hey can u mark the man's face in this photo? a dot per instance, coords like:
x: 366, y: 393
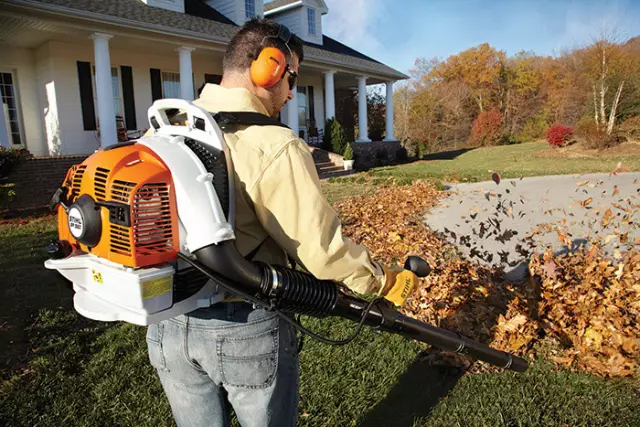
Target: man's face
x: 281, y: 93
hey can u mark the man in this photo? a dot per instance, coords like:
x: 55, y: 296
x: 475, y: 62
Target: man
x: 230, y: 353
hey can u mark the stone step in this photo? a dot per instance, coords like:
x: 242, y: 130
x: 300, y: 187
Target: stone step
x: 335, y: 174
x: 330, y: 169
x: 327, y: 165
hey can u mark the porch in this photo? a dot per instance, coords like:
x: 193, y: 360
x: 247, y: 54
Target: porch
x: 76, y: 87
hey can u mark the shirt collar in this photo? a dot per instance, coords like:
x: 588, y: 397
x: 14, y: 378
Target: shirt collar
x: 218, y: 98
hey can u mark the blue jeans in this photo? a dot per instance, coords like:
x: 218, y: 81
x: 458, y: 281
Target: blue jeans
x: 227, y: 354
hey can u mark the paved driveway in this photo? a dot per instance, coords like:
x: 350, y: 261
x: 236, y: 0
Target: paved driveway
x: 500, y: 224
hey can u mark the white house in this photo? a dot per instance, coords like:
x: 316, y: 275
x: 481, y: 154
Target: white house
x: 75, y: 73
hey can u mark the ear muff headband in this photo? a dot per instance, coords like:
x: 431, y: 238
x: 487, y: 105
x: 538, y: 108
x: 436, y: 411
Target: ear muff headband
x: 270, y: 64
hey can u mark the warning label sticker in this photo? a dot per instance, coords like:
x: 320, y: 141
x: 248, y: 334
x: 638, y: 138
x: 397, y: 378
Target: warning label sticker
x: 155, y: 288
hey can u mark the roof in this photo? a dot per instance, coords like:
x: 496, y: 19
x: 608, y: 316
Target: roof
x: 199, y: 21
x: 202, y: 10
x: 332, y: 45
x: 278, y: 3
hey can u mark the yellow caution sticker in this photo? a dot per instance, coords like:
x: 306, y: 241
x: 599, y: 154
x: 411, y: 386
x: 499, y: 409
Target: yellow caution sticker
x: 156, y: 287
x: 97, y: 276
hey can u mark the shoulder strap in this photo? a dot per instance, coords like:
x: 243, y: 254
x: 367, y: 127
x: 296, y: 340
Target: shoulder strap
x: 245, y: 118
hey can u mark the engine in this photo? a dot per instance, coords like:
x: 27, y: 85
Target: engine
x: 126, y: 212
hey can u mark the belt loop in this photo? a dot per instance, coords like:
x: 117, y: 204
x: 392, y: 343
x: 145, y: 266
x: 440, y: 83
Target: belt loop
x: 231, y: 310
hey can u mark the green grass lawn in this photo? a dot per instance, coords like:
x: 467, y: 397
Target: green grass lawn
x: 59, y: 368
x: 512, y: 161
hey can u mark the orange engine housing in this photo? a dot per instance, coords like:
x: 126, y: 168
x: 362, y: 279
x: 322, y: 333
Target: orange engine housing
x: 134, y: 176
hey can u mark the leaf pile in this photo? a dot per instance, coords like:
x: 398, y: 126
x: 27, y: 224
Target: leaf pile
x: 583, y: 303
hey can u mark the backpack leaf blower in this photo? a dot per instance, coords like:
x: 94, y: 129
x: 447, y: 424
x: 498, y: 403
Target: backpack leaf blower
x: 146, y: 233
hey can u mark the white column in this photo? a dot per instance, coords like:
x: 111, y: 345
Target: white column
x: 363, y: 125
x: 292, y: 111
x: 390, y: 136
x: 330, y: 95
x: 104, y: 90
x: 186, y: 73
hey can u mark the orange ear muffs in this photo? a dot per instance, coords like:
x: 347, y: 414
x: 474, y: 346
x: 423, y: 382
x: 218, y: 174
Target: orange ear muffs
x: 268, y: 68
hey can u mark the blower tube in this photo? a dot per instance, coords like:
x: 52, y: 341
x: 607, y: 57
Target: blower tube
x: 291, y: 291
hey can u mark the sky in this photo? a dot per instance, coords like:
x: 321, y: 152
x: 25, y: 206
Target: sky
x: 396, y: 32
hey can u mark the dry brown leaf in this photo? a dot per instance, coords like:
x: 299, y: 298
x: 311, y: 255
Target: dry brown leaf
x: 586, y: 202
x: 582, y: 183
x: 584, y: 301
x: 495, y: 177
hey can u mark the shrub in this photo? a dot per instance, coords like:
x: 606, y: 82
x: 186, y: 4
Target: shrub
x: 334, y: 139
x: 402, y: 155
x: 559, y: 135
x: 348, y: 153
x: 411, y: 146
x: 594, y: 138
x: 10, y: 157
x: 630, y: 128
x: 509, y: 140
x: 487, y: 129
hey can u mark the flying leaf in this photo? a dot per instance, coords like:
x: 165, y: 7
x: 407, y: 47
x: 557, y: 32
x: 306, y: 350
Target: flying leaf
x: 496, y: 178
x: 587, y: 202
x: 582, y: 183
x: 615, y: 190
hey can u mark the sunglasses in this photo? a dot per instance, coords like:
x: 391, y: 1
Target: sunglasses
x: 292, y: 78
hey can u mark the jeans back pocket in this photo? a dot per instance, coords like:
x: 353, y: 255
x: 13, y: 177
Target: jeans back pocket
x: 155, y: 334
x: 249, y: 362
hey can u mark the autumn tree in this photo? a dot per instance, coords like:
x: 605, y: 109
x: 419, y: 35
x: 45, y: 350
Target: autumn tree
x: 479, y: 68
x: 608, y: 66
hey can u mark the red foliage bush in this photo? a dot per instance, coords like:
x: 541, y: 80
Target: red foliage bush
x: 558, y: 135
x: 487, y: 129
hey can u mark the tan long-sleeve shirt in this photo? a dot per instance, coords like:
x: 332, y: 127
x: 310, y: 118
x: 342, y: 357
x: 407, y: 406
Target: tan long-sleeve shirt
x: 279, y: 200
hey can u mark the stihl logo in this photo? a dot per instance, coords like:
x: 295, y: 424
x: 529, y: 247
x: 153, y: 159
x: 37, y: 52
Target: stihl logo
x: 407, y: 288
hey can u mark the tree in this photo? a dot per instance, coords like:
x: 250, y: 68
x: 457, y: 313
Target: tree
x: 479, y: 68
x: 607, y: 65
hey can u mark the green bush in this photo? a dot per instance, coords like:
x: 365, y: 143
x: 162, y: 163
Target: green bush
x: 509, y: 140
x: 334, y: 139
x: 411, y: 147
x: 348, y: 153
x: 423, y: 149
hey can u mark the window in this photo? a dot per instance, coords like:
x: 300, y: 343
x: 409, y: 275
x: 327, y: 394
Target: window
x: 250, y: 9
x: 311, y: 15
x: 118, y: 107
x: 171, y: 85
x: 10, y: 108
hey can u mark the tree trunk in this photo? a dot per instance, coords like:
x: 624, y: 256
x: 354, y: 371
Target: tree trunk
x: 614, y: 107
x: 479, y: 99
x: 603, y: 87
x: 595, y: 107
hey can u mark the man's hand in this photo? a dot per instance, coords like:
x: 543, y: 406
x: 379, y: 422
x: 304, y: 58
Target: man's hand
x: 399, y: 284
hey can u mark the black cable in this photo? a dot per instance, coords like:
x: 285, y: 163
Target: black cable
x: 270, y: 306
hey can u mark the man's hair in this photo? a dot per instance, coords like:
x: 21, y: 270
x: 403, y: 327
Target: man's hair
x: 251, y: 38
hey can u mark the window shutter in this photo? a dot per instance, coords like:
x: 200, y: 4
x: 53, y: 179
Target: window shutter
x: 156, y: 84
x: 86, y: 96
x: 312, y: 109
x: 127, y: 97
